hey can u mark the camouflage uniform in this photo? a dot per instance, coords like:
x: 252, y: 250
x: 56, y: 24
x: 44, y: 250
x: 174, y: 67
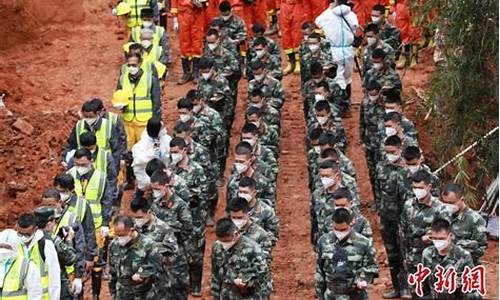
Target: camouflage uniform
x: 390, y: 35
x: 266, y: 161
x: 272, y: 64
x: 271, y: 88
x: 246, y: 261
x: 341, y: 264
x: 324, y: 57
x: 345, y: 164
x: 271, y: 116
x: 218, y: 87
x: 141, y: 257
x: 228, y: 66
x: 408, y: 128
x: 180, y: 188
x: 67, y: 255
x: 337, y: 96
x: 435, y: 181
x: 389, y: 78
x: 264, y: 216
x: 265, y: 188
x: 263, y: 238
x: 458, y: 258
x: 367, y: 52
x: 371, y: 119
x: 346, y: 181
x: 235, y: 29
x: 272, y: 46
x: 470, y: 232
x: 305, y: 51
x: 269, y: 137
x: 334, y: 128
x: 173, y: 258
x: 415, y: 222
x: 360, y: 224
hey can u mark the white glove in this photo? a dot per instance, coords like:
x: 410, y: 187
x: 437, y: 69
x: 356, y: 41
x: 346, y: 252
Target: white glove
x: 137, y: 278
x: 175, y: 25
x: 77, y: 286
x: 104, y: 231
x: 113, y: 11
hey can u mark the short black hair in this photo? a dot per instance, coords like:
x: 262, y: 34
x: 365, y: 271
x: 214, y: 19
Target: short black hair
x: 373, y: 85
x: 342, y: 215
x: 178, y: 142
x: 98, y: 103
x: 88, y: 139
x: 243, y: 148
x: 258, y: 28
x: 315, y: 133
x: 257, y: 92
x: 90, y: 106
x: 393, y: 140
x: 140, y: 203
x: 257, y: 65
x: 331, y: 154
x: 212, y: 31
x: 83, y: 152
x: 216, y: 22
x: 322, y: 105
x: 392, y: 96
x: 193, y: 94
x: 323, y: 84
x: 206, y: 63
x: 329, y: 164
x: 250, y: 128
x: 146, y: 12
x: 308, y: 25
x: 65, y: 181
x: 224, y: 228
x: 379, y: 7
x: 238, y: 204
x: 440, y: 224
x: 252, y: 110
x: 133, y: 47
x: 372, y: 28
x: 127, y: 221
x: 51, y: 193
x: 248, y: 182
x: 260, y: 41
x: 131, y: 54
x: 154, y: 165
x: 181, y: 127
x: 328, y: 138
x: 316, y: 68
x: 341, y: 193
x: 26, y: 220
x: 378, y: 53
x: 421, y: 176
x: 392, y: 116
x: 454, y: 188
x: 160, y: 176
x: 411, y: 153
x: 185, y: 102
x: 314, y: 35
x: 224, y: 6
x: 153, y: 127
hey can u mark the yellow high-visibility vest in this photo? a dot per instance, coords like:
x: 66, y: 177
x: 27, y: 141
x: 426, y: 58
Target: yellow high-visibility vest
x: 157, y: 34
x: 79, y: 208
x: 13, y: 283
x: 102, y: 135
x: 140, y: 104
x: 101, y: 161
x: 35, y: 256
x: 136, y: 6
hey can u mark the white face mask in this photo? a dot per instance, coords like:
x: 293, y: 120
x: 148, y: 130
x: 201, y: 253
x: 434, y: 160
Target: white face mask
x: 451, y: 208
x: 133, y: 70
x: 322, y: 120
x: 440, y: 244
x: 140, y: 222
x: 259, y: 53
x: 212, y: 46
x: 378, y: 66
x: 376, y: 20
x: 259, y: 77
x: 419, y: 193
x: 390, y: 131
x: 389, y: 110
x: 90, y: 121
x: 413, y: 168
x: 225, y: 18
x: 206, y: 76
x: 258, y: 105
x: 82, y: 170
x: 319, y: 97
x: 245, y: 196
x: 176, y: 157
x: 373, y: 98
x: 123, y: 240
x: 147, y: 24
x: 158, y: 194
x: 327, y: 182
x: 24, y: 238
x: 392, y: 158
x: 371, y: 41
x: 317, y: 149
x: 240, y: 168
x: 64, y: 196
x: 239, y: 223
x: 197, y: 108
x: 313, y: 47
x: 341, y: 234
x: 184, y: 117
x: 146, y: 43
x: 250, y: 141
x: 226, y: 245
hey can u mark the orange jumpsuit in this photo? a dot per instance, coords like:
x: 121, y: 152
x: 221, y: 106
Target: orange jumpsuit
x: 409, y: 33
x: 211, y: 11
x: 251, y: 13
x: 292, y: 14
x: 191, y: 27
x: 317, y: 7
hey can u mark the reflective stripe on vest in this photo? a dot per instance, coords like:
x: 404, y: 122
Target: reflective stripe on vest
x: 93, y: 193
x: 79, y: 208
x: 102, y: 135
x: 153, y: 55
x: 157, y: 34
x: 13, y: 283
x: 101, y: 160
x: 113, y: 117
x: 140, y: 104
x: 35, y: 256
x: 67, y: 219
x: 135, y: 15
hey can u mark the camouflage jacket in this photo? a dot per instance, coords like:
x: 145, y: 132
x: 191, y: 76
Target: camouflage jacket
x: 245, y: 261
x: 216, y: 93
x: 359, y: 224
x: 272, y: 46
x: 334, y: 128
x: 265, y: 216
x: 435, y: 181
x: 470, y: 232
x: 235, y: 29
x: 265, y: 188
x: 201, y: 155
x: 367, y: 52
x: 224, y: 61
x: 341, y: 264
x: 390, y: 35
x: 269, y: 136
x: 322, y: 56
x: 272, y: 64
x: 175, y: 212
x: 265, y: 239
x: 371, y: 119
x: 409, y: 128
x: 337, y: 95
x: 271, y: 88
x: 388, y: 78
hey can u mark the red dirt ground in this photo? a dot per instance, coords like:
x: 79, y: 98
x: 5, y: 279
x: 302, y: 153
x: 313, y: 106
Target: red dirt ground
x: 60, y: 57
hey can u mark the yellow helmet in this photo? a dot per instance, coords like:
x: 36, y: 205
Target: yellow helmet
x: 120, y: 99
x: 123, y: 9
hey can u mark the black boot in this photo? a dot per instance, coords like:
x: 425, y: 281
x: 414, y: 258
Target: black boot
x: 130, y: 184
x: 96, y: 284
x: 186, y: 70
x: 195, y: 274
x: 396, y: 287
x: 196, y: 68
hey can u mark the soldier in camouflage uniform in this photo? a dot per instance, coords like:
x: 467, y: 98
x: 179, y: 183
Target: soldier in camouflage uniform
x: 245, y: 166
x: 447, y: 254
x: 273, y: 47
x: 225, y: 41
x: 215, y: 90
x: 374, y: 42
x: 239, y: 268
x: 326, y: 121
x: 346, y: 261
x: 134, y: 263
x: 313, y: 154
x: 388, y: 33
x: 342, y: 198
x: 469, y: 227
x: 413, y: 162
x: 269, y: 136
x: 415, y: 221
x: 392, y: 127
x: 264, y: 157
x: 271, y: 116
x: 196, y: 180
x: 315, y: 53
x: 235, y: 26
x: 391, y: 192
x: 270, y: 87
x: 175, y: 281
x: 260, y: 213
x: 381, y: 72
x: 329, y: 141
x: 392, y: 102
x: 271, y: 63
x: 322, y: 93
